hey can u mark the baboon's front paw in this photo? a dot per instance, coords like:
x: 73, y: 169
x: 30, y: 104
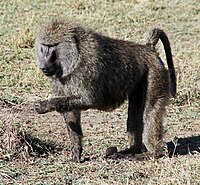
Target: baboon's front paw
x: 41, y: 107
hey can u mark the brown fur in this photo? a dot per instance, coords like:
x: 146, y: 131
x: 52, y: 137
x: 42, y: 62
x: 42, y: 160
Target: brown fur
x: 89, y: 70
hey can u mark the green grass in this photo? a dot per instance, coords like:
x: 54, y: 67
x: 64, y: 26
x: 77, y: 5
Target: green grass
x: 21, y: 83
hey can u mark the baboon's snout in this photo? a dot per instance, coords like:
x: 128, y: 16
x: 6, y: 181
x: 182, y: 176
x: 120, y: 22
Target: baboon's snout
x: 48, y: 70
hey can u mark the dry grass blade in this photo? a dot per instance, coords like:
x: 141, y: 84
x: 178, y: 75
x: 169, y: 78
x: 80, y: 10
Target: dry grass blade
x: 5, y: 177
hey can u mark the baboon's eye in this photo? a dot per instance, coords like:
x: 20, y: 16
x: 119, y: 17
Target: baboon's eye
x: 53, y: 57
x: 41, y: 49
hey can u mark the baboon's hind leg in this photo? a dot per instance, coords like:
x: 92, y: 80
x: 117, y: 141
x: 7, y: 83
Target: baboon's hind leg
x: 73, y: 122
x: 156, y: 101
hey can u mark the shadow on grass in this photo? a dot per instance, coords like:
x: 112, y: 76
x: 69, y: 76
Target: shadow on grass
x: 184, y: 146
x: 178, y: 146
x: 38, y: 147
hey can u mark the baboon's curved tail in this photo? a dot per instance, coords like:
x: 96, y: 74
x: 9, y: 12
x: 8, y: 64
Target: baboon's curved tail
x: 153, y: 36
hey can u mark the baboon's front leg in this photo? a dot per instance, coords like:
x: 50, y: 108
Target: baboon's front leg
x: 73, y: 122
x: 60, y: 104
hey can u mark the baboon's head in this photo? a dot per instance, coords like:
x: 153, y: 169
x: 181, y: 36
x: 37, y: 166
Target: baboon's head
x: 56, y: 48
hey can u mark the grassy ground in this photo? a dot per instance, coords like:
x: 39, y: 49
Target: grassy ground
x: 40, y: 153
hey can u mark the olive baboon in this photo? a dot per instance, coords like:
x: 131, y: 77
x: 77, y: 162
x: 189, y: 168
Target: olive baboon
x: 89, y: 70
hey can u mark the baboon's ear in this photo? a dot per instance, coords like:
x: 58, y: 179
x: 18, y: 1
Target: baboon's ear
x: 72, y: 54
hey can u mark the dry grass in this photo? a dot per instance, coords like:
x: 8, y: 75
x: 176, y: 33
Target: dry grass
x: 34, y: 149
